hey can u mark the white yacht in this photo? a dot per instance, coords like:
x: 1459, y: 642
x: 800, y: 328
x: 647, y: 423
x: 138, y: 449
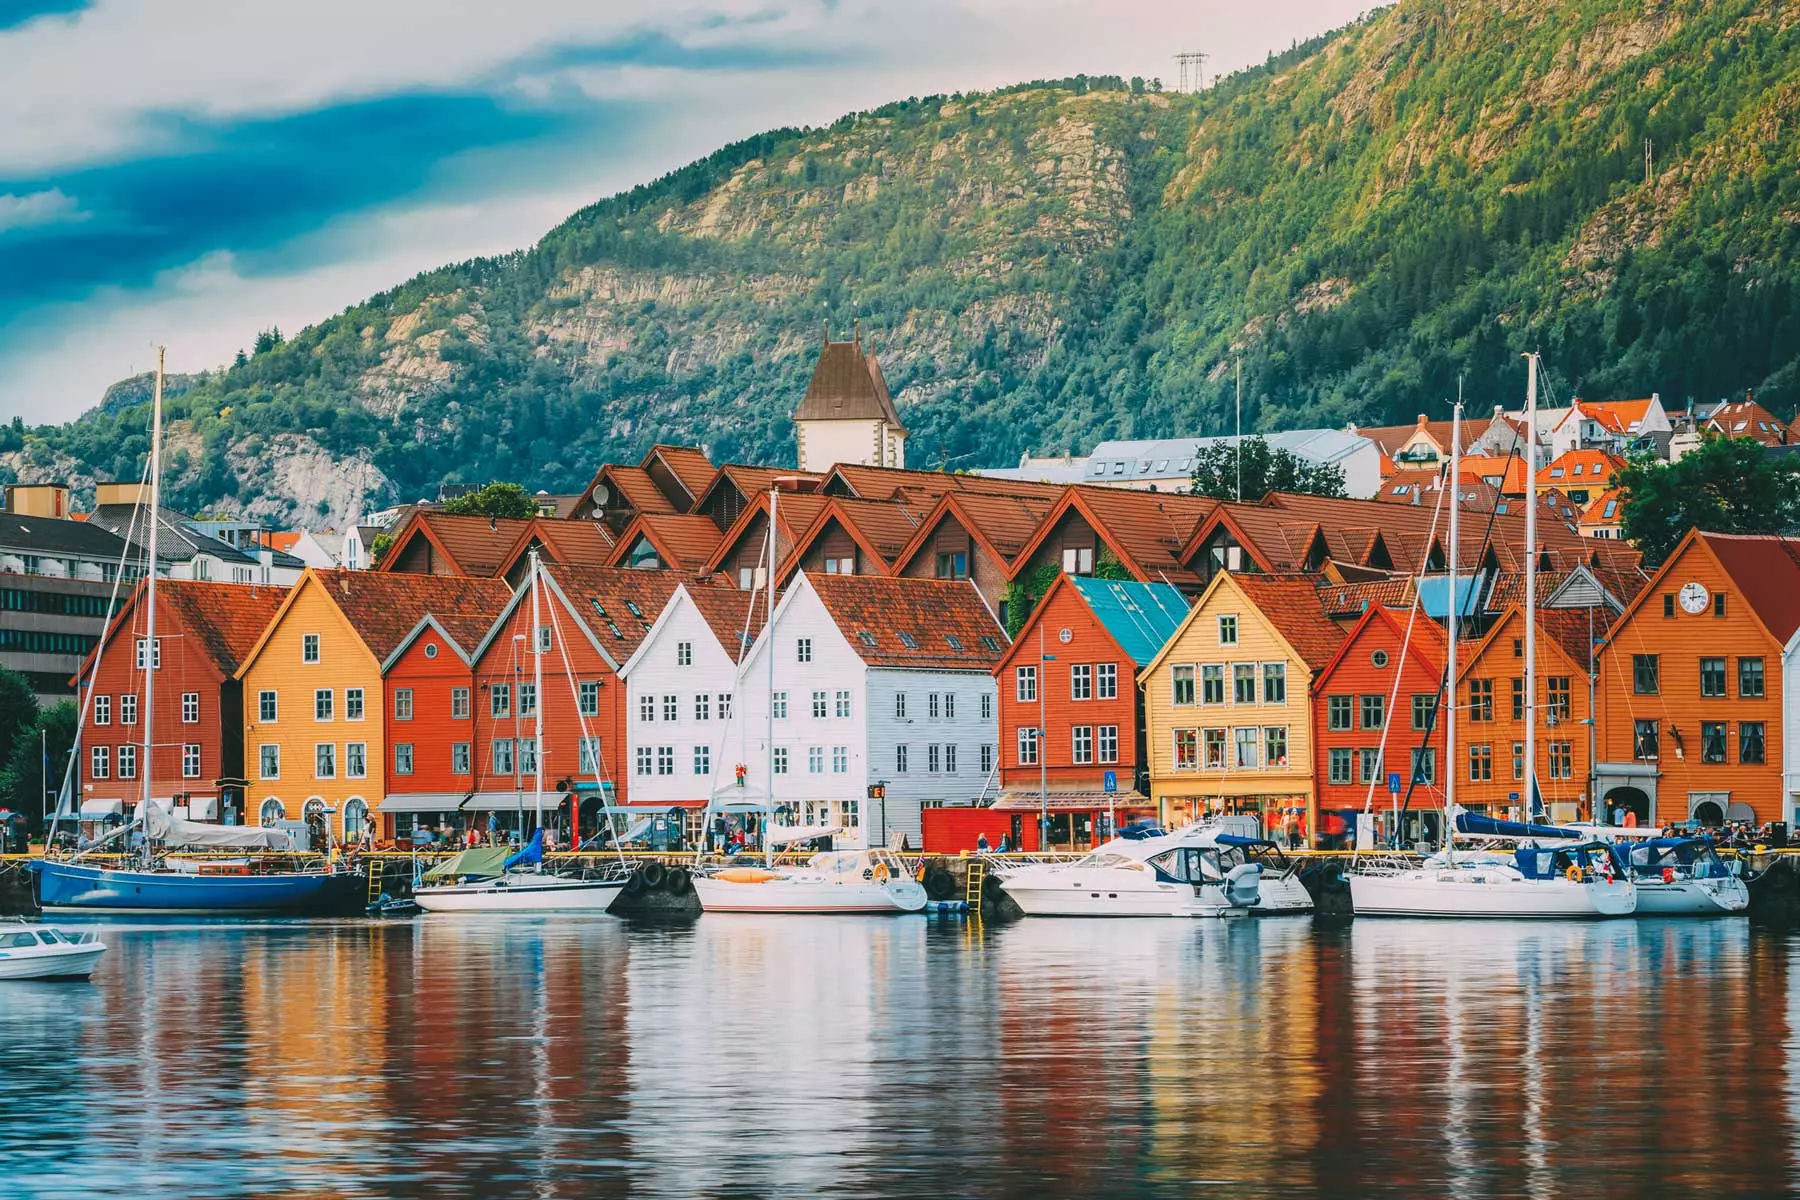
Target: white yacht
x: 832, y: 881
x: 40, y: 952
x: 1196, y: 871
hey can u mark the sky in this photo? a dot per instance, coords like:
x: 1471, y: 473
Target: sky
x: 189, y: 172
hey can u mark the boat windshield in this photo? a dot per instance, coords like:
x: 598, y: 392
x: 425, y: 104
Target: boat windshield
x: 1694, y: 857
x: 49, y: 937
x: 17, y: 941
x: 1106, y: 859
x: 1192, y: 865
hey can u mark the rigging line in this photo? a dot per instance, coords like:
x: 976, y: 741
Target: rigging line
x: 65, y: 793
x: 739, y: 714
x: 581, y: 718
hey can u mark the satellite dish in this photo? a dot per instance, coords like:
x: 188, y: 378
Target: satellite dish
x: 601, y: 494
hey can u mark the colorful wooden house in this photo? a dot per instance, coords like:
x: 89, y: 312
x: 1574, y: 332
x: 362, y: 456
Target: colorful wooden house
x: 1695, y: 721
x: 203, y: 632
x: 316, y: 734
x: 1229, y: 704
x: 1071, y: 714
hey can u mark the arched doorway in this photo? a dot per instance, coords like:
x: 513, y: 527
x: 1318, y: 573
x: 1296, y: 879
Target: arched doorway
x: 272, y: 811
x: 1622, y: 800
x: 1709, y: 813
x: 318, y: 823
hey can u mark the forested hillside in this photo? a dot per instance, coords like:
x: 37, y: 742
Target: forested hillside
x: 1363, y: 219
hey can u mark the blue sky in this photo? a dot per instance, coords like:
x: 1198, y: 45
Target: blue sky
x: 191, y: 171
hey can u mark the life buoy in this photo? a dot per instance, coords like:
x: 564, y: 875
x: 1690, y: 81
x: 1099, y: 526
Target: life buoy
x: 881, y: 872
x: 1668, y: 874
x: 1573, y: 874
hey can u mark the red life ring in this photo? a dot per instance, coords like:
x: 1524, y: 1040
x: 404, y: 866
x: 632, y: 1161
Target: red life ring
x: 1668, y: 874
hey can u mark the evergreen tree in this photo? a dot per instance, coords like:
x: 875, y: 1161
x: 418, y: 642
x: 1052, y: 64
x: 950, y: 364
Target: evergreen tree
x: 1218, y: 471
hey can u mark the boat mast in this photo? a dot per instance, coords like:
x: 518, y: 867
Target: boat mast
x: 1531, y: 503
x: 1450, y: 665
x: 150, y: 600
x: 769, y: 804
x: 537, y: 693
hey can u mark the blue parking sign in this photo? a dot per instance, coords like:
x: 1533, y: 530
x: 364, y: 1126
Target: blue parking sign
x: 1109, y: 782
x: 1393, y: 783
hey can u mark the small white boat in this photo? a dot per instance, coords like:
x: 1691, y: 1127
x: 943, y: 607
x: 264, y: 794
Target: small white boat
x: 832, y: 881
x: 521, y: 891
x: 1684, y: 877
x: 40, y: 952
x: 1196, y: 871
x: 1562, y: 881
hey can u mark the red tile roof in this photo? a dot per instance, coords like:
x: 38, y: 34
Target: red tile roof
x: 475, y: 546
x: 1291, y: 603
x: 226, y: 618
x: 383, y: 607
x: 636, y: 488
x: 683, y: 541
x: 931, y: 612
x: 617, y: 604
x: 1595, y: 512
x: 725, y: 611
x: 1766, y: 569
x: 1577, y: 467
x: 1146, y: 529
x: 1748, y: 419
x: 688, y: 464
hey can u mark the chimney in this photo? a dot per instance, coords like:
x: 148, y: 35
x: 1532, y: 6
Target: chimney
x: 120, y: 493
x: 1421, y: 420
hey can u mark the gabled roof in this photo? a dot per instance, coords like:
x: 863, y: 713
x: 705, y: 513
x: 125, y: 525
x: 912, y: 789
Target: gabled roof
x: 1748, y: 419
x: 847, y: 385
x: 614, y: 607
x: 891, y: 483
x: 1390, y: 438
x: 226, y: 620
x: 1146, y: 530
x: 688, y: 464
x: 1618, y: 416
x: 177, y: 539
x: 1002, y: 524
x: 1565, y: 630
x: 683, y: 541
x: 1140, y: 617
x: 949, y: 625
x: 1575, y: 467
x: 1426, y: 646
x: 881, y: 528
x: 1340, y: 600
x: 1766, y: 569
x: 749, y: 480
x: 1596, y: 512
x: 636, y: 488
x: 385, y: 609
x: 794, y: 514
x: 1291, y: 603
x: 562, y: 540
x: 725, y: 611
x: 473, y: 546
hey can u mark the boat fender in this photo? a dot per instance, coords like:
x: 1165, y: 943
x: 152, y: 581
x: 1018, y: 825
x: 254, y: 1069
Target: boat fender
x: 1668, y: 874
x: 634, y: 884
x: 676, y: 881
x: 1573, y: 874
x: 654, y: 873
x: 939, y: 884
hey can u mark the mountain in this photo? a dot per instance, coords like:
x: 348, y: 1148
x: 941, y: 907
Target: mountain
x: 1420, y: 196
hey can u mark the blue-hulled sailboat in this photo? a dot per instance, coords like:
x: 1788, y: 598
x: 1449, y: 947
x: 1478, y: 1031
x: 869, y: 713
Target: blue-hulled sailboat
x: 172, y: 886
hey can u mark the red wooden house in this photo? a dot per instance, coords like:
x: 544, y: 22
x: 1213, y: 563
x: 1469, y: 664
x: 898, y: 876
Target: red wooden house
x: 1356, y: 700
x: 1071, y: 714
x: 590, y: 621
x: 203, y: 632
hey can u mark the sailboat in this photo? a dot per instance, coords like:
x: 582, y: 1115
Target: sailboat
x: 157, y: 883
x: 831, y: 881
x: 1558, y: 879
x: 521, y: 884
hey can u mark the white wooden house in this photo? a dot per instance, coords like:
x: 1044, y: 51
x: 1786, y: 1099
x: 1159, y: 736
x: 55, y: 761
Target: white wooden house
x: 877, y: 683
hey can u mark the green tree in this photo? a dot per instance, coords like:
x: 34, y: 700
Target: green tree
x: 23, y: 782
x: 1265, y: 470
x: 18, y: 710
x: 379, y: 547
x: 1728, y: 485
x: 495, y: 500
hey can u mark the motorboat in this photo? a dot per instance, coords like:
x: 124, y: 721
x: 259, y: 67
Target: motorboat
x: 1280, y: 890
x: 1196, y: 871
x: 1683, y: 877
x: 489, y: 880
x: 39, y: 952
x: 1579, y: 880
x: 831, y: 881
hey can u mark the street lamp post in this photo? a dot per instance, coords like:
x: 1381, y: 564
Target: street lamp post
x: 1043, y: 742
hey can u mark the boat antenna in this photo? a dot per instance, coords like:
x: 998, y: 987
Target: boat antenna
x: 149, y: 766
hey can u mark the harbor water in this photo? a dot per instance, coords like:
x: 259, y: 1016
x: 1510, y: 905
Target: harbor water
x: 467, y: 1056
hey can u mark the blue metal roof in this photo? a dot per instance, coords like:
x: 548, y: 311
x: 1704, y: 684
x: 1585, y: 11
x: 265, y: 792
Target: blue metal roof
x: 1434, y: 596
x: 1141, y: 617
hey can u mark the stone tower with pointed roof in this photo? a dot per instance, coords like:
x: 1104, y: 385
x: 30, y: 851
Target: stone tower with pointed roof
x: 847, y: 415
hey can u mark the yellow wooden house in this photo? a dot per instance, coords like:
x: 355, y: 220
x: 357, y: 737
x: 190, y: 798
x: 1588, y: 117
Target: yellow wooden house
x: 1227, y: 704
x: 315, y: 714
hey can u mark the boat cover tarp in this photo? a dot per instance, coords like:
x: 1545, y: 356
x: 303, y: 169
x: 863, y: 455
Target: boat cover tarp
x: 479, y: 862
x: 1476, y: 823
x: 781, y: 835
x: 1238, y: 839
x: 532, y: 854
x: 173, y: 831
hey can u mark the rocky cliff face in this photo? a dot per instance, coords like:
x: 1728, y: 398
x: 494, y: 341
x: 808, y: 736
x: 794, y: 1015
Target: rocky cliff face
x: 1361, y: 221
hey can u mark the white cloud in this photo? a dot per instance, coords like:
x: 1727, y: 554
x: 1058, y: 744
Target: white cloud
x: 48, y: 207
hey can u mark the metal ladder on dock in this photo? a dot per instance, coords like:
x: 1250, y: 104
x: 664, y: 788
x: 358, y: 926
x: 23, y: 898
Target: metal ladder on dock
x: 972, y: 891
x: 376, y: 872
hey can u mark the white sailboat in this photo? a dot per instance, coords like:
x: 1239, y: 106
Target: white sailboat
x: 1580, y: 879
x: 522, y: 884
x: 833, y: 881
